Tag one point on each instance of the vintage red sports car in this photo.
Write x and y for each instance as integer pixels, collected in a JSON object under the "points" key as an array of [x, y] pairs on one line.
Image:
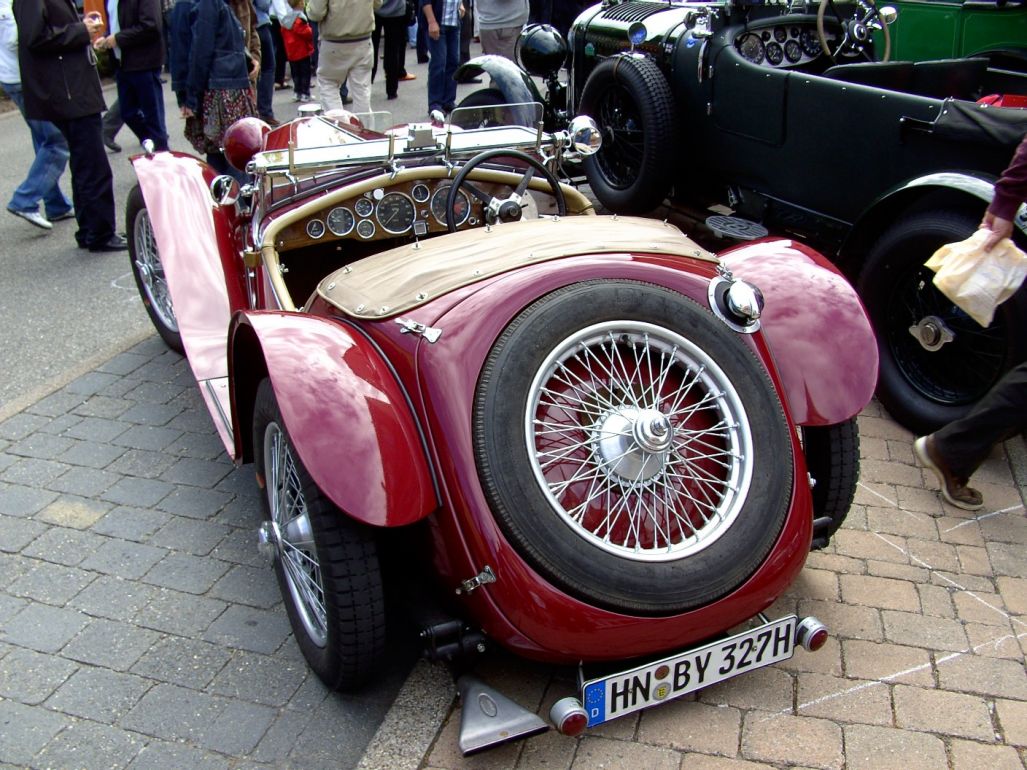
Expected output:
{"points": [[609, 446]]}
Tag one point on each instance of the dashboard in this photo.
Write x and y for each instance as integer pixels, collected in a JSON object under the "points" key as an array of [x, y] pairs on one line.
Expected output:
{"points": [[408, 209], [781, 45]]}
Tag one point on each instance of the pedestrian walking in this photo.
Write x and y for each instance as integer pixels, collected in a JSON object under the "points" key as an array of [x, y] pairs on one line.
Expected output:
{"points": [[957, 450], [266, 78], [499, 25], [344, 53], [391, 23], [136, 40], [299, 48], [112, 124], [42, 183], [443, 18], [60, 84]]}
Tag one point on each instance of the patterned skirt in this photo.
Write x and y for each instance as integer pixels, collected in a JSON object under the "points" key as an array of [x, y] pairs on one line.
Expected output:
{"points": [[206, 129]]}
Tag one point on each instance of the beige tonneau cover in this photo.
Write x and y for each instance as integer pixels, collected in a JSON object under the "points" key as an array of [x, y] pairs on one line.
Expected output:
{"points": [[400, 279]]}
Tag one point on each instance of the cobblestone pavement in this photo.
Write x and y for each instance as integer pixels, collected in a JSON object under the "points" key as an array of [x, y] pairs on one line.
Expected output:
{"points": [[139, 629]]}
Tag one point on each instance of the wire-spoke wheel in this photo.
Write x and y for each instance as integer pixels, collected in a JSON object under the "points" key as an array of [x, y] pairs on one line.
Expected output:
{"points": [[632, 448], [327, 565], [148, 270]]}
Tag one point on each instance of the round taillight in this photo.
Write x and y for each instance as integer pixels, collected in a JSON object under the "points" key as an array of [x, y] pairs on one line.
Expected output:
{"points": [[811, 634], [569, 717]]}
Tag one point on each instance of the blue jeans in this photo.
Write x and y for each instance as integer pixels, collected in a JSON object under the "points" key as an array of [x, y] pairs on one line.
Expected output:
{"points": [[445, 58], [141, 99], [42, 182], [266, 81]]}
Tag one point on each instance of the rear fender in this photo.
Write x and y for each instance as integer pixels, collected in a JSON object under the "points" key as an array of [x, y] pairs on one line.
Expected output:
{"points": [[344, 410], [816, 327], [516, 85]]}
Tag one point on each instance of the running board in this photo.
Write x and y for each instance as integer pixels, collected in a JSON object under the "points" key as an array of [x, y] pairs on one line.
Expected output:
{"points": [[488, 718]]}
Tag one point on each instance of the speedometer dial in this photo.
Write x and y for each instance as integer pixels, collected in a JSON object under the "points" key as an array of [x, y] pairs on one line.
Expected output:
{"points": [[792, 51], [461, 208], [395, 213], [774, 54], [340, 221], [810, 42], [751, 47]]}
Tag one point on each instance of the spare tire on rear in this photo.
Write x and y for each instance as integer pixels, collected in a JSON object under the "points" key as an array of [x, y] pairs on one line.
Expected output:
{"points": [[634, 451]]}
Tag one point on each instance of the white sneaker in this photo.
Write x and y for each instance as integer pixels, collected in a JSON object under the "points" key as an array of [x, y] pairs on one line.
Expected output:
{"points": [[34, 217]]}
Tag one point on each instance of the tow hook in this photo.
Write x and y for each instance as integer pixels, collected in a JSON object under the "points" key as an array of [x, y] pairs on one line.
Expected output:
{"points": [[932, 333]]}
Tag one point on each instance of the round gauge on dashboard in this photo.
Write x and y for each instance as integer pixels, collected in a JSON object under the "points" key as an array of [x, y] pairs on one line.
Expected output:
{"points": [[364, 207], [395, 213], [764, 35], [780, 34], [315, 228], [774, 54], [461, 208], [793, 51], [810, 42], [340, 221], [365, 228], [420, 193], [751, 47]]}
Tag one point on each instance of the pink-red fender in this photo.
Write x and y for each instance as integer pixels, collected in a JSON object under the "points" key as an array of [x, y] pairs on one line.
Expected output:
{"points": [[347, 416], [816, 327]]}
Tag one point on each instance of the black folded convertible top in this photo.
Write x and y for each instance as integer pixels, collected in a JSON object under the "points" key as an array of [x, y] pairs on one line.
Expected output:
{"points": [[964, 121]]}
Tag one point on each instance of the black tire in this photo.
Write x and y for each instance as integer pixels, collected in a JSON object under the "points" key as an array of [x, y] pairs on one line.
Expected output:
{"points": [[148, 271], [832, 459], [632, 104], [924, 389], [655, 531], [344, 644]]}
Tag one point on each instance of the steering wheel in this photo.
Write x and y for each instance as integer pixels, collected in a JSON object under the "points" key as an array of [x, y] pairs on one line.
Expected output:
{"points": [[856, 31], [501, 209]]}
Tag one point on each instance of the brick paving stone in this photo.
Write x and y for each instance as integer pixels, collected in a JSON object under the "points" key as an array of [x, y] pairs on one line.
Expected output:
{"points": [[31, 677], [158, 755], [10, 606], [881, 426], [199, 473], [869, 545], [932, 554], [60, 424], [826, 660], [152, 438], [98, 430], [237, 729], [976, 607], [994, 642], [73, 512], [767, 688], [936, 601], [113, 597], [40, 446], [885, 748], [50, 583], [54, 404], [110, 643], [87, 744], [142, 463], [1008, 528], [887, 569], [239, 547], [887, 662], [179, 613], [187, 573], [101, 406], [884, 593], [960, 531], [24, 730], [154, 392], [548, 750], [200, 446], [922, 631], [186, 662], [84, 482], [128, 523], [255, 586], [984, 676], [194, 502], [1008, 559], [1012, 717], [973, 560], [33, 472], [846, 621], [259, 678], [943, 712], [282, 735], [21, 425], [692, 726], [844, 700], [124, 559], [90, 383], [619, 755], [706, 762], [962, 582], [191, 709], [968, 755], [16, 533], [815, 584], [123, 363], [782, 737], [98, 694], [1014, 594], [135, 491], [190, 535], [904, 523], [147, 413], [888, 472], [43, 628], [62, 545], [194, 420]]}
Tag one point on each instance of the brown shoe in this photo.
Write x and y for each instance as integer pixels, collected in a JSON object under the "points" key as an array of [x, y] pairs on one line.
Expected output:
{"points": [[408, 76], [953, 490]]}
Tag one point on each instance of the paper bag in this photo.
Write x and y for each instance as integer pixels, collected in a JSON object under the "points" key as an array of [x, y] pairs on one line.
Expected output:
{"points": [[978, 281]]}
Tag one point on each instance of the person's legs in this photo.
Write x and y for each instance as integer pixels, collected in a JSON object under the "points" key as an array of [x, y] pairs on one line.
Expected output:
{"points": [[331, 72], [266, 81], [376, 41], [92, 183], [303, 77], [112, 123], [452, 37], [51, 158], [142, 105], [395, 47], [423, 41], [501, 42], [276, 36], [358, 78], [437, 72]]}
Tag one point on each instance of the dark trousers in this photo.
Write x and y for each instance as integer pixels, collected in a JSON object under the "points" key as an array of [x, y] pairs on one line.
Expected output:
{"points": [[141, 99], [92, 183], [466, 32], [965, 443], [301, 76], [276, 37], [422, 39], [266, 81], [394, 30]]}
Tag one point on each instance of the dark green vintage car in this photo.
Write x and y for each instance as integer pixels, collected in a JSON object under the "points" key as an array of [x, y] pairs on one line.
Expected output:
{"points": [[941, 29], [783, 116]]}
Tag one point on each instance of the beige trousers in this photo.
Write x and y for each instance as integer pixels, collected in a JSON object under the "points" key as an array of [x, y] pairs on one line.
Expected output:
{"points": [[349, 63]]}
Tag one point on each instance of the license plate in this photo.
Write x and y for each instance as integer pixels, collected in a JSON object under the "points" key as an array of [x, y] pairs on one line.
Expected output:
{"points": [[619, 694]]}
